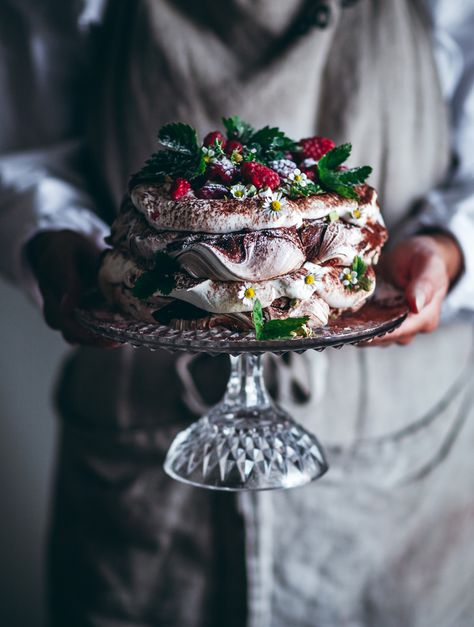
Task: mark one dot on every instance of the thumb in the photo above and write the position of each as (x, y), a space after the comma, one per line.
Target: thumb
(424, 282)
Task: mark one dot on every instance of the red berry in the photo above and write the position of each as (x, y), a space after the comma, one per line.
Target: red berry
(179, 188)
(315, 147)
(211, 138)
(212, 191)
(311, 174)
(259, 175)
(223, 170)
(233, 144)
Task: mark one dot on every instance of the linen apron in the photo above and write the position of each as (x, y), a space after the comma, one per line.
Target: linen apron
(385, 538)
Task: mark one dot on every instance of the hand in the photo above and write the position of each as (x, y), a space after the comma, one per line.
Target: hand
(65, 264)
(423, 266)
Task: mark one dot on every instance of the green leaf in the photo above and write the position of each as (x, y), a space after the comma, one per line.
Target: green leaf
(272, 138)
(174, 164)
(355, 176)
(335, 157)
(159, 279)
(330, 181)
(281, 329)
(179, 137)
(237, 128)
(359, 266)
(274, 329)
(297, 191)
(365, 284)
(257, 318)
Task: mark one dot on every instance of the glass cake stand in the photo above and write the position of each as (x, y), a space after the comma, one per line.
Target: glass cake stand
(246, 442)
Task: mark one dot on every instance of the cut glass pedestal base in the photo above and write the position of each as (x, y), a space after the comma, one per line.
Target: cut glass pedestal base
(246, 442)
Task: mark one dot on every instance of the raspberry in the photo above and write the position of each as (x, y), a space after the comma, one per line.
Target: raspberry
(223, 170)
(179, 188)
(283, 167)
(311, 174)
(212, 191)
(211, 138)
(316, 147)
(233, 144)
(259, 175)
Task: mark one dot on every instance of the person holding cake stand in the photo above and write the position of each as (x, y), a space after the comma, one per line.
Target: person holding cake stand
(384, 539)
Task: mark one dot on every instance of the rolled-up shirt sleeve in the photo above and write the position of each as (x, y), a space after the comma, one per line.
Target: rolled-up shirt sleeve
(42, 76)
(451, 207)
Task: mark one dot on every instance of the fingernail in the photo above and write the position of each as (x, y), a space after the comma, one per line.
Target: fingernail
(419, 300)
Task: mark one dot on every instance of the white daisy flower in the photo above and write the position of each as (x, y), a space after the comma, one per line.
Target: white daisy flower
(247, 294)
(298, 178)
(209, 154)
(313, 276)
(273, 202)
(349, 277)
(239, 191)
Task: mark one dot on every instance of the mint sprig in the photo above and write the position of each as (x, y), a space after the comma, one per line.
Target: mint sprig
(237, 128)
(182, 156)
(359, 266)
(179, 137)
(341, 182)
(161, 278)
(298, 191)
(275, 329)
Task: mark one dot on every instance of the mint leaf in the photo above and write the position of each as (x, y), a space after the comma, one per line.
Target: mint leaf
(270, 144)
(159, 279)
(359, 266)
(179, 137)
(335, 157)
(272, 138)
(331, 182)
(174, 164)
(236, 128)
(297, 191)
(281, 329)
(365, 283)
(355, 176)
(182, 156)
(341, 181)
(257, 318)
(274, 329)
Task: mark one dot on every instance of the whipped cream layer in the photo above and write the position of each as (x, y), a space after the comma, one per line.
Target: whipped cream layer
(230, 215)
(249, 255)
(226, 296)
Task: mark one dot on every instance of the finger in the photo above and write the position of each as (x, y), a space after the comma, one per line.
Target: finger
(51, 309)
(425, 322)
(92, 341)
(404, 341)
(75, 333)
(427, 278)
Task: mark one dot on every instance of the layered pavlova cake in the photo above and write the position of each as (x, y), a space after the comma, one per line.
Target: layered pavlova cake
(247, 230)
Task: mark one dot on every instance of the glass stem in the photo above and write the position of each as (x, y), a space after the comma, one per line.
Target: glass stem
(246, 387)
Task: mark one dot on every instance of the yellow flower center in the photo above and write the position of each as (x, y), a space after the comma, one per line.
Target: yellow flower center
(348, 276)
(236, 156)
(238, 193)
(207, 158)
(276, 205)
(249, 292)
(298, 178)
(309, 279)
(357, 213)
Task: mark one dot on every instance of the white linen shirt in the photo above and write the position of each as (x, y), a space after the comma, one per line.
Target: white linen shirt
(43, 60)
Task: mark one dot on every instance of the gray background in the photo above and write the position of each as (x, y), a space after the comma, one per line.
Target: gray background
(29, 360)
